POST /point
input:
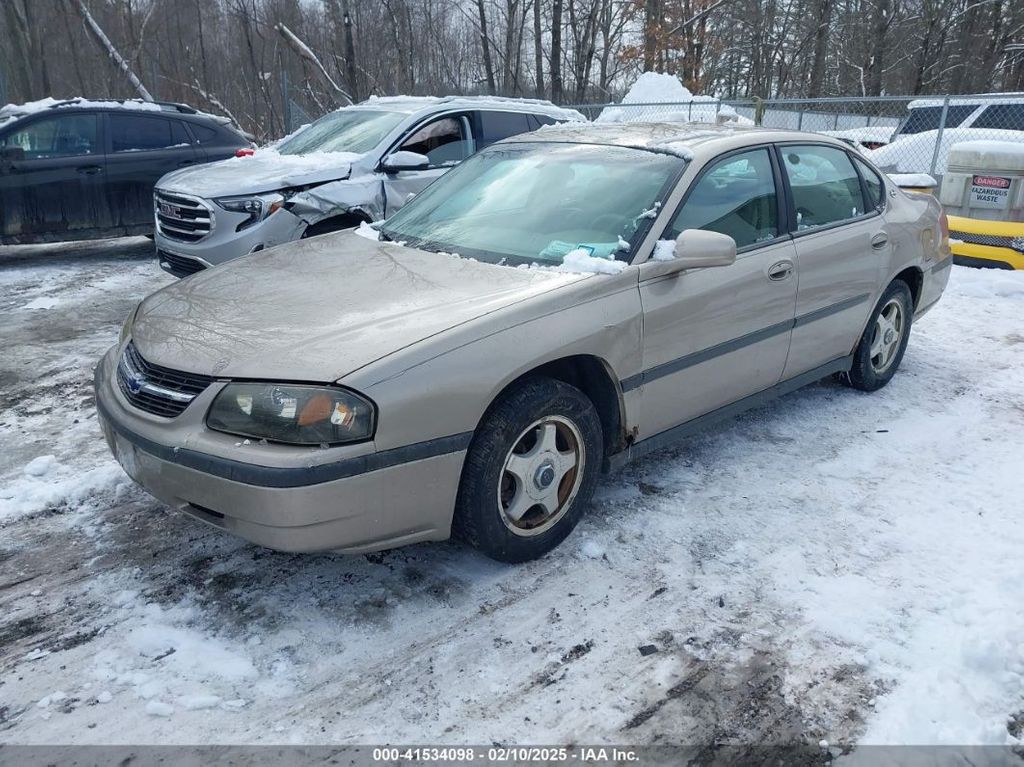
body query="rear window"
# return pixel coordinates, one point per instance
(921, 119)
(1001, 116)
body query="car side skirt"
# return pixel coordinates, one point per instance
(689, 428)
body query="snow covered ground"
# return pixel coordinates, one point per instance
(834, 566)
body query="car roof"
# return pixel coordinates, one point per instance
(426, 104)
(16, 111)
(686, 140)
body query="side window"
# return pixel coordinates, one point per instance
(825, 186)
(874, 184)
(1001, 116)
(735, 196)
(494, 126)
(442, 141)
(135, 133)
(66, 136)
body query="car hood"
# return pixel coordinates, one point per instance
(264, 171)
(319, 309)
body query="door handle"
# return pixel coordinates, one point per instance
(89, 170)
(184, 163)
(780, 270)
(879, 241)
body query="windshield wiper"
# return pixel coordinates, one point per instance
(384, 237)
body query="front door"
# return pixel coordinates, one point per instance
(445, 141)
(842, 246)
(51, 179)
(713, 336)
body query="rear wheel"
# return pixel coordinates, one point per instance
(881, 348)
(530, 471)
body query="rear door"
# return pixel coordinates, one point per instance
(446, 141)
(142, 148)
(51, 178)
(842, 247)
(713, 336)
(494, 126)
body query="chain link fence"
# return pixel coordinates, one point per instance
(901, 134)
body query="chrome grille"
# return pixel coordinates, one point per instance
(992, 240)
(182, 217)
(154, 389)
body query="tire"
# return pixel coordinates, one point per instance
(519, 497)
(879, 353)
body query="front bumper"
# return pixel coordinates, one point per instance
(224, 243)
(358, 500)
(975, 242)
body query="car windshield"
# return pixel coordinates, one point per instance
(347, 130)
(526, 203)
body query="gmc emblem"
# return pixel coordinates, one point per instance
(170, 210)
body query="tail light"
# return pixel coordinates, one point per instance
(944, 226)
(245, 152)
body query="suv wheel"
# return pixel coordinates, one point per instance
(530, 471)
(881, 348)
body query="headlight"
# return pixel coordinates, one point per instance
(258, 207)
(292, 413)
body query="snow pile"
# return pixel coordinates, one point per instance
(664, 250)
(872, 134)
(45, 484)
(913, 153)
(366, 230)
(913, 180)
(579, 260)
(658, 96)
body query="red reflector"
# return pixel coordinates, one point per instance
(245, 152)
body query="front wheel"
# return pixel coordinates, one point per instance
(881, 348)
(530, 471)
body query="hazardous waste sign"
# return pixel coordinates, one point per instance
(990, 192)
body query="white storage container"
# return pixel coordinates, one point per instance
(985, 180)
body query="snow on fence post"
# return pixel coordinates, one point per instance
(938, 138)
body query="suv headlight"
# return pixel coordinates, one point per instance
(295, 414)
(258, 207)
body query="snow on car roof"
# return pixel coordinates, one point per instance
(11, 111)
(984, 98)
(665, 137)
(412, 104)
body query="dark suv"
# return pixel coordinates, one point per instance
(78, 169)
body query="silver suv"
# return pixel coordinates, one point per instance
(359, 163)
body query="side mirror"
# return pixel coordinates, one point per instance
(697, 248)
(398, 161)
(693, 249)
